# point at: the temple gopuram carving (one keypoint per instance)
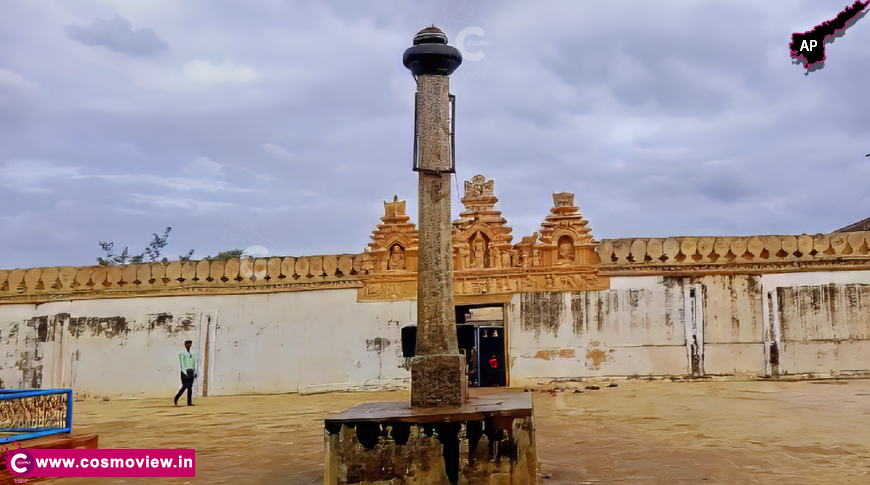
(561, 257)
(394, 245)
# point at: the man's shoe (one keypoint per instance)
(190, 404)
(175, 401)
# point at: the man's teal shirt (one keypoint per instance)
(187, 361)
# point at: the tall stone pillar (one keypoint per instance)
(429, 447)
(438, 370)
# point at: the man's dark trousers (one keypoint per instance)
(186, 383)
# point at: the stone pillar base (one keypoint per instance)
(438, 380)
(489, 441)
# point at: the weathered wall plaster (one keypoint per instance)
(819, 322)
(787, 323)
(272, 343)
(630, 329)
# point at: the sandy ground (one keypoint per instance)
(640, 432)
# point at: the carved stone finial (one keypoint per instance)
(479, 198)
(563, 199)
(478, 186)
(395, 209)
(564, 216)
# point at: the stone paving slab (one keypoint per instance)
(813, 432)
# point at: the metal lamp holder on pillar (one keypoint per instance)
(452, 134)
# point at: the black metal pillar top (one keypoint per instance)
(431, 54)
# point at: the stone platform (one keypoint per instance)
(53, 442)
(488, 440)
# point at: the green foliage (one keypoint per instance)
(156, 245)
(113, 259)
(227, 255)
(232, 253)
(151, 253)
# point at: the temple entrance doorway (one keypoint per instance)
(481, 332)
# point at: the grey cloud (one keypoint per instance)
(277, 151)
(118, 34)
(19, 99)
(664, 119)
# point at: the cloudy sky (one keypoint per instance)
(286, 124)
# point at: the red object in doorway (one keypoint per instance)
(493, 363)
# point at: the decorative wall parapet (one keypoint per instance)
(236, 276)
(750, 254)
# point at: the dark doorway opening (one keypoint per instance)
(483, 340)
(480, 333)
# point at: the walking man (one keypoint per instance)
(188, 373)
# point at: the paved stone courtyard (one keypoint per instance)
(639, 433)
